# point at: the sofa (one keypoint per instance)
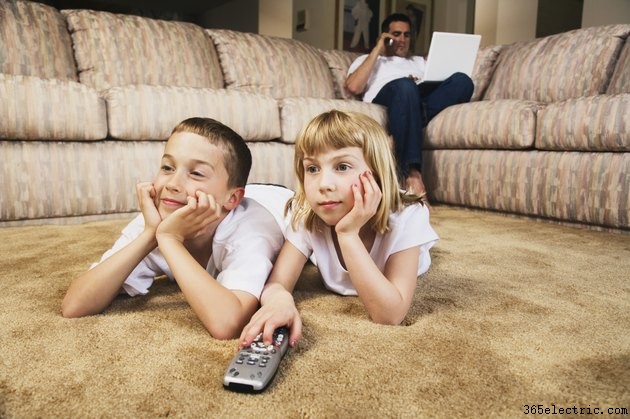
(89, 97)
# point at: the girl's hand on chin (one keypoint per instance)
(367, 197)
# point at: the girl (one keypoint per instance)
(366, 237)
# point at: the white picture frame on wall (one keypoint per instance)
(421, 14)
(347, 22)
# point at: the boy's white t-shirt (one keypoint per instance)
(387, 69)
(408, 228)
(244, 248)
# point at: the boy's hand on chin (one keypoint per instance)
(191, 220)
(145, 191)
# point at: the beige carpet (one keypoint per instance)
(513, 313)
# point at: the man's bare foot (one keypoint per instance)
(415, 186)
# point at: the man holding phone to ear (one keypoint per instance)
(389, 76)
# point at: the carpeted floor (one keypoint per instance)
(513, 314)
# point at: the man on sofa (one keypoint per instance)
(388, 76)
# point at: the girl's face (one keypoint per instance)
(328, 180)
(190, 163)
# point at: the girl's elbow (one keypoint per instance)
(223, 334)
(224, 331)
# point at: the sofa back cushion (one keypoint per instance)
(620, 81)
(272, 66)
(483, 69)
(558, 67)
(119, 50)
(338, 63)
(34, 41)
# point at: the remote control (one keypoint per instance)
(253, 367)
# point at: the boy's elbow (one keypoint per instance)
(71, 311)
(388, 319)
(71, 308)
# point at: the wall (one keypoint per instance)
(453, 15)
(275, 18)
(507, 21)
(604, 12)
(321, 22)
(517, 21)
(238, 15)
(486, 20)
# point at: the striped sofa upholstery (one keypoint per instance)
(34, 41)
(549, 137)
(300, 77)
(88, 99)
(36, 60)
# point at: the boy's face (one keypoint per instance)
(190, 163)
(328, 180)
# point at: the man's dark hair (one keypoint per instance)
(394, 17)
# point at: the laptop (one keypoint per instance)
(450, 53)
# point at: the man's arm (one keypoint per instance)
(356, 82)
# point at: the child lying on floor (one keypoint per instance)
(367, 238)
(197, 228)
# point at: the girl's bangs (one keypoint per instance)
(330, 135)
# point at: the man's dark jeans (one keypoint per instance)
(409, 109)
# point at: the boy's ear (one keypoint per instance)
(235, 198)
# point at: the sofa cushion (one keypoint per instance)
(483, 69)
(72, 178)
(277, 67)
(595, 123)
(119, 50)
(620, 81)
(558, 67)
(590, 188)
(272, 162)
(296, 113)
(338, 63)
(34, 41)
(151, 112)
(501, 124)
(71, 111)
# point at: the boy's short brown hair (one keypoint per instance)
(237, 158)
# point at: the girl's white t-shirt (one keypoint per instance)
(408, 228)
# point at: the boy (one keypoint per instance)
(195, 227)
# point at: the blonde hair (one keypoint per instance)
(336, 130)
